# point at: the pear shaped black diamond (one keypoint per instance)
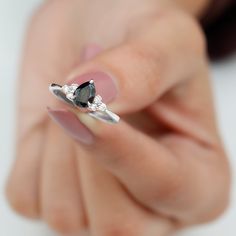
(85, 93)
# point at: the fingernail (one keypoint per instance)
(90, 51)
(71, 124)
(104, 83)
(92, 124)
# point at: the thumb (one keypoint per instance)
(141, 69)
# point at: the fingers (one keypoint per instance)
(61, 204)
(110, 209)
(23, 183)
(148, 63)
(40, 66)
(141, 164)
(165, 174)
(144, 166)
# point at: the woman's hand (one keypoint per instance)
(163, 166)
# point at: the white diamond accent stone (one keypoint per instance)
(65, 89)
(70, 96)
(92, 107)
(69, 90)
(98, 99)
(74, 87)
(97, 104)
(102, 107)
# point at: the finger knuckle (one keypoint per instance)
(22, 201)
(153, 60)
(194, 38)
(169, 190)
(62, 219)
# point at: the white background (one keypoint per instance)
(13, 18)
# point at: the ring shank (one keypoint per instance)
(101, 112)
(105, 116)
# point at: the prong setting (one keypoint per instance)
(97, 104)
(84, 96)
(69, 91)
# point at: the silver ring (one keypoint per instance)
(84, 97)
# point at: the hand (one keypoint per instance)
(163, 166)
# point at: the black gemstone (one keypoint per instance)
(84, 93)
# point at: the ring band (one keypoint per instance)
(84, 96)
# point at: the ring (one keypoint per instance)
(84, 96)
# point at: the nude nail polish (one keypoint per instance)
(71, 124)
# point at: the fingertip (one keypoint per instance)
(20, 200)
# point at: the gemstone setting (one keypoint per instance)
(84, 94)
(97, 104)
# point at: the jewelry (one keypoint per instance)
(84, 96)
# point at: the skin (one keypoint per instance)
(171, 171)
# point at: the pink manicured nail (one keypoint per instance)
(105, 85)
(71, 124)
